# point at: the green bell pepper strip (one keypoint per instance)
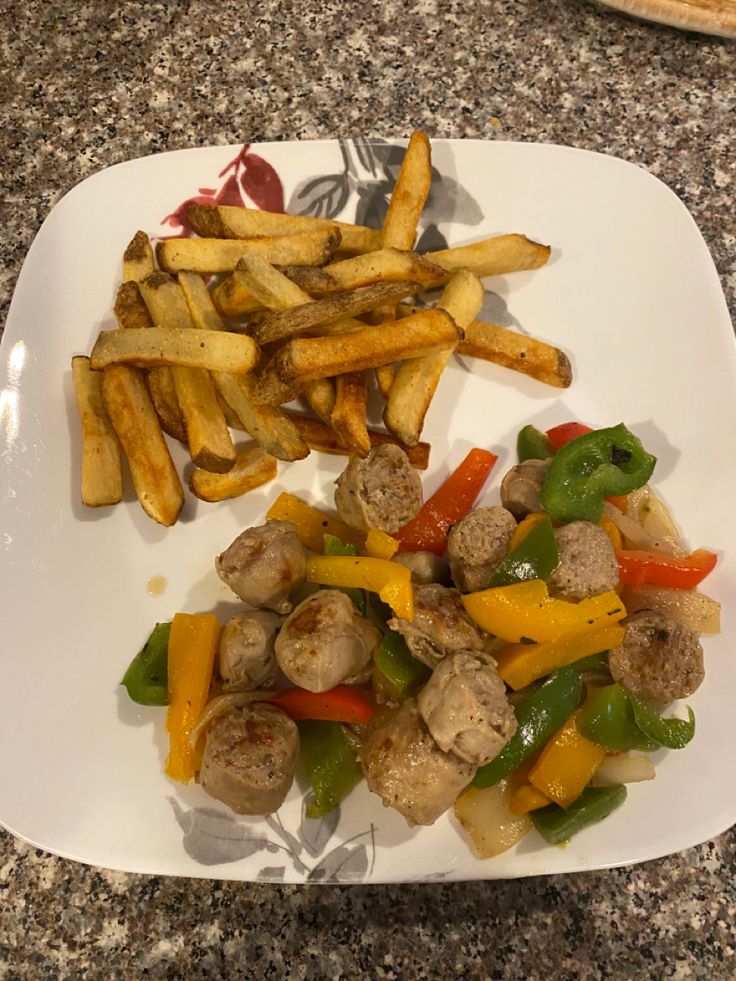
(621, 721)
(532, 444)
(557, 825)
(147, 676)
(330, 763)
(535, 557)
(332, 545)
(538, 718)
(402, 672)
(603, 463)
(592, 664)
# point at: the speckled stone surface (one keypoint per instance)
(86, 85)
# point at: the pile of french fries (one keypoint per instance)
(298, 308)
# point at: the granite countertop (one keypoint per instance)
(83, 86)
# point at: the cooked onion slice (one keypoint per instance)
(701, 613)
(623, 769)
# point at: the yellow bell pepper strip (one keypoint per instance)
(638, 568)
(525, 613)
(379, 545)
(566, 764)
(612, 530)
(390, 580)
(527, 798)
(311, 524)
(193, 643)
(529, 523)
(521, 664)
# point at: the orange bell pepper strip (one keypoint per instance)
(427, 532)
(311, 524)
(521, 664)
(341, 704)
(193, 643)
(638, 568)
(379, 545)
(525, 613)
(390, 580)
(566, 764)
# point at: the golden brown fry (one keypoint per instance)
(416, 380)
(517, 351)
(304, 359)
(253, 467)
(130, 308)
(160, 383)
(138, 258)
(409, 195)
(134, 419)
(216, 351)
(217, 255)
(210, 444)
(386, 265)
(266, 424)
(348, 416)
(492, 256)
(226, 221)
(312, 279)
(315, 313)
(319, 395)
(102, 481)
(271, 288)
(323, 439)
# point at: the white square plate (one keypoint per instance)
(630, 293)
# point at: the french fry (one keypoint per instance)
(306, 316)
(134, 419)
(416, 380)
(305, 359)
(138, 258)
(161, 388)
(385, 265)
(210, 444)
(348, 416)
(102, 481)
(312, 279)
(266, 424)
(400, 224)
(130, 308)
(319, 395)
(253, 467)
(324, 439)
(226, 221)
(409, 195)
(492, 256)
(520, 352)
(218, 255)
(216, 351)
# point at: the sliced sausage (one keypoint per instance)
(588, 564)
(382, 491)
(325, 642)
(466, 710)
(264, 564)
(250, 758)
(660, 658)
(477, 544)
(425, 567)
(408, 770)
(440, 626)
(521, 487)
(246, 656)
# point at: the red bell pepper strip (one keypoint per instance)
(566, 431)
(427, 532)
(638, 568)
(341, 704)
